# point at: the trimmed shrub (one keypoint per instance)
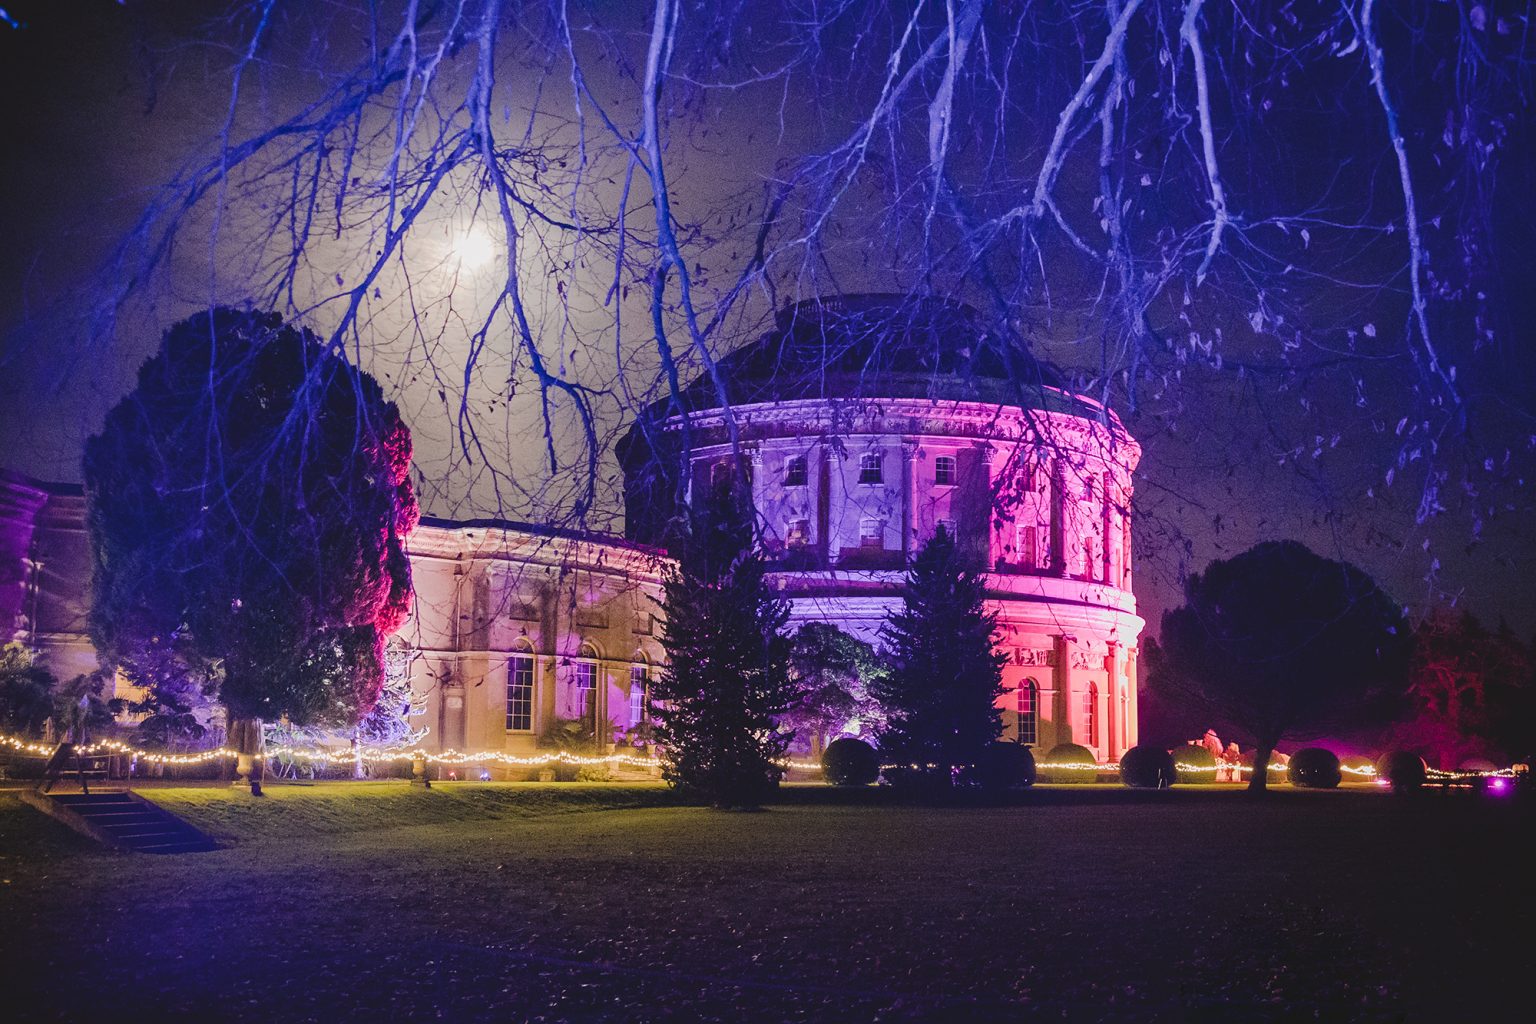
(1476, 764)
(1315, 768)
(1003, 766)
(1068, 763)
(850, 762)
(1147, 767)
(1404, 769)
(1193, 763)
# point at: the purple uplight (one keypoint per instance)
(1498, 785)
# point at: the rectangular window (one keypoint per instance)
(636, 695)
(948, 526)
(944, 468)
(794, 471)
(586, 688)
(1026, 699)
(869, 468)
(1025, 550)
(520, 694)
(798, 535)
(871, 533)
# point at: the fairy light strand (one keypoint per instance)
(457, 758)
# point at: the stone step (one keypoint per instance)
(124, 820)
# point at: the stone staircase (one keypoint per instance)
(123, 820)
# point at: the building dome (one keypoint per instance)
(866, 423)
(882, 346)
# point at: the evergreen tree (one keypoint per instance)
(727, 679)
(248, 505)
(941, 694)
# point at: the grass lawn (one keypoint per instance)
(527, 902)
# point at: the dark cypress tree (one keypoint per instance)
(727, 680)
(941, 693)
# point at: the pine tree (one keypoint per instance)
(940, 695)
(727, 680)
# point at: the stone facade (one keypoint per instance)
(514, 627)
(849, 483)
(45, 568)
(570, 618)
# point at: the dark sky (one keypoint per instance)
(103, 101)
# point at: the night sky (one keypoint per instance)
(102, 102)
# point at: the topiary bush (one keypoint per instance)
(1147, 767)
(1068, 763)
(1276, 775)
(1003, 766)
(1193, 763)
(850, 762)
(1315, 768)
(1404, 769)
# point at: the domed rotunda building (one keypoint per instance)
(868, 421)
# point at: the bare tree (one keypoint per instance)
(1289, 209)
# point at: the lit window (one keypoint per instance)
(871, 533)
(944, 470)
(636, 695)
(799, 533)
(1026, 551)
(1027, 705)
(869, 468)
(1093, 714)
(520, 694)
(586, 683)
(794, 471)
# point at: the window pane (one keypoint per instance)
(869, 469)
(586, 687)
(798, 534)
(1028, 698)
(520, 694)
(636, 695)
(794, 471)
(944, 470)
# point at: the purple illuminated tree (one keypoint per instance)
(1471, 692)
(248, 506)
(1284, 644)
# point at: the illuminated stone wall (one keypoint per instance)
(574, 607)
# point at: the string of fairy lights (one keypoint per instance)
(456, 758)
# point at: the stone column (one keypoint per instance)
(985, 454)
(755, 466)
(909, 543)
(1115, 736)
(837, 503)
(1061, 701)
(1132, 724)
(1058, 530)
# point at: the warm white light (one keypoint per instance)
(474, 249)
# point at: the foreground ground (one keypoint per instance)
(340, 902)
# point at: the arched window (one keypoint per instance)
(1027, 707)
(1093, 714)
(520, 692)
(586, 682)
(639, 679)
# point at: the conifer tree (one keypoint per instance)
(727, 679)
(940, 695)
